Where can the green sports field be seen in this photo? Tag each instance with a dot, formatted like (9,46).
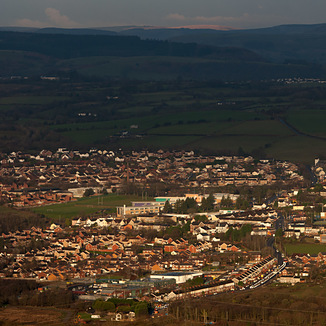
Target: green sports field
(85,206)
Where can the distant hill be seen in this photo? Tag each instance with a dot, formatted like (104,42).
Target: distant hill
(165,33)
(288,29)
(66,46)
(206,54)
(284,43)
(75,31)
(297,43)
(18,29)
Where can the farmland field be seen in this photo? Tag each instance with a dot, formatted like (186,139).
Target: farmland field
(261,119)
(309,121)
(305,248)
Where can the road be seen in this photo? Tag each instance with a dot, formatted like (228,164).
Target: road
(279,225)
(313,177)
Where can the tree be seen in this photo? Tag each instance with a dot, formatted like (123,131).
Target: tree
(67,222)
(186,206)
(89,192)
(201,218)
(101,305)
(207,204)
(141,309)
(226,202)
(167,207)
(241,203)
(318,187)
(104,191)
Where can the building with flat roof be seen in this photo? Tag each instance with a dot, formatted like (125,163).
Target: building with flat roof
(180,277)
(140,207)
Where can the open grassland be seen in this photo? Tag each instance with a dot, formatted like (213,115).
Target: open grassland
(304,248)
(210,116)
(213,131)
(27,100)
(85,206)
(232,143)
(297,148)
(17,316)
(200,128)
(165,142)
(259,128)
(309,121)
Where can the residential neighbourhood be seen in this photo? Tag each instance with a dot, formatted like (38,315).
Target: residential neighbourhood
(64,175)
(177,244)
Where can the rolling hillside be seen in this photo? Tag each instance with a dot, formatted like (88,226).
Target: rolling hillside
(63,52)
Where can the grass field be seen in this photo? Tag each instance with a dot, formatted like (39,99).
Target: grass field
(27,100)
(46,316)
(218,118)
(203,128)
(304,248)
(85,206)
(208,130)
(264,127)
(297,148)
(164,142)
(308,121)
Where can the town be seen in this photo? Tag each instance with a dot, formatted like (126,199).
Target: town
(199,226)
(31,180)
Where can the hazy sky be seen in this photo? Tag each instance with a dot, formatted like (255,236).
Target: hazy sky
(102,13)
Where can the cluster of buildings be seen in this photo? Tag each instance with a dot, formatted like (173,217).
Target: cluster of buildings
(30,180)
(88,251)
(140,240)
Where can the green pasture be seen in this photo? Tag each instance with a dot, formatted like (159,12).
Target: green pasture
(85,206)
(179,124)
(159,96)
(159,119)
(232,143)
(90,136)
(30,100)
(172,68)
(140,109)
(304,248)
(259,127)
(203,128)
(297,148)
(310,121)
(219,118)
(160,141)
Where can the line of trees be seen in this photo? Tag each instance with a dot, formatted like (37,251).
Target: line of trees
(25,293)
(190,205)
(141,308)
(13,219)
(260,307)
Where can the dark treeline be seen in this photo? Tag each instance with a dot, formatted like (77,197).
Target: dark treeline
(72,46)
(12,220)
(141,308)
(264,306)
(25,292)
